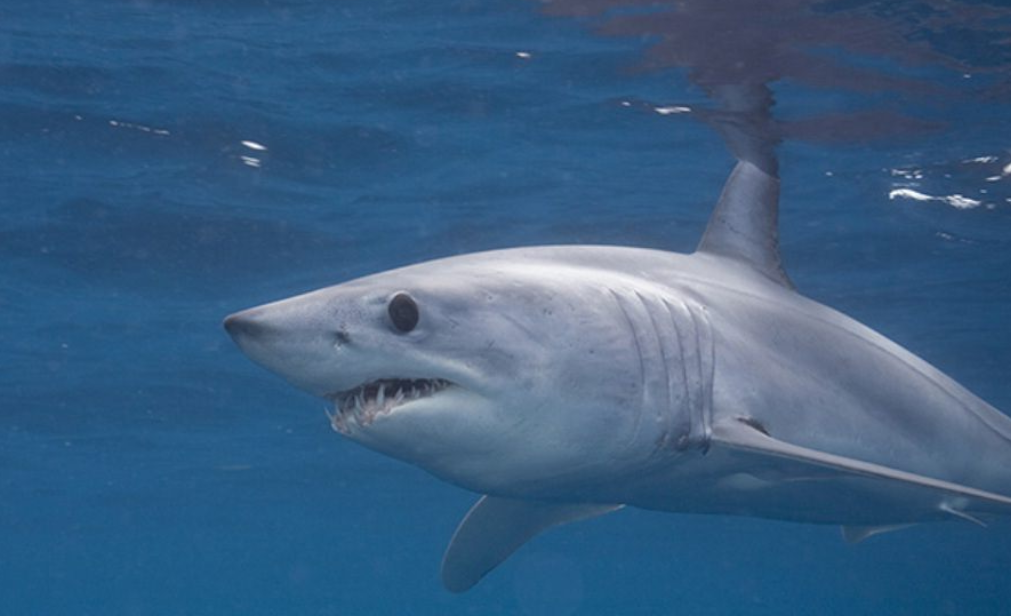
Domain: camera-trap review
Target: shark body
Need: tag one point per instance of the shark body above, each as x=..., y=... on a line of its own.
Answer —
x=564, y=382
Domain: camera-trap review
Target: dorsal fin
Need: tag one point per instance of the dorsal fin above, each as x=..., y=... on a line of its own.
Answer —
x=744, y=223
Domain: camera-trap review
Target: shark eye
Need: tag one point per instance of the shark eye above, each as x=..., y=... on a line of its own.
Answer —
x=403, y=312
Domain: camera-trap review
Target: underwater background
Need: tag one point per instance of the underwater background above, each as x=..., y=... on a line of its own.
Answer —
x=166, y=162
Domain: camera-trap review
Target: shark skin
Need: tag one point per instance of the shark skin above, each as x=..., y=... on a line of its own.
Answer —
x=564, y=382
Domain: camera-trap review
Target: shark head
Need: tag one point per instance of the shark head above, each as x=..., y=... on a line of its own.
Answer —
x=491, y=371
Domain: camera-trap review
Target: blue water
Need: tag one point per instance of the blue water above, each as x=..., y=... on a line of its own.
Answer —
x=164, y=163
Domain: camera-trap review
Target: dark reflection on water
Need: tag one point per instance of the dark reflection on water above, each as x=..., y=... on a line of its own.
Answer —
x=729, y=42
x=918, y=53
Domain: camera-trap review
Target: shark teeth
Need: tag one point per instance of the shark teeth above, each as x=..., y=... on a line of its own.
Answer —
x=366, y=402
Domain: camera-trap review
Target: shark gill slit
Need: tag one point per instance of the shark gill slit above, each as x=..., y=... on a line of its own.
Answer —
x=682, y=339
x=695, y=343
x=665, y=412
x=642, y=369
x=707, y=369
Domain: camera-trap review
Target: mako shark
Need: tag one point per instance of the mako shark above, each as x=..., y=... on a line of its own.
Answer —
x=564, y=382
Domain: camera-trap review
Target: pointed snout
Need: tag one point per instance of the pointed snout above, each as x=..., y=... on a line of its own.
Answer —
x=244, y=324
x=255, y=327
x=288, y=338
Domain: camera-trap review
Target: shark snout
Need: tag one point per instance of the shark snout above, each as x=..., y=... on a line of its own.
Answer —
x=288, y=339
x=262, y=332
x=248, y=324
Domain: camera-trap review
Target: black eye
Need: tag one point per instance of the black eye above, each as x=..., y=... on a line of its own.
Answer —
x=403, y=312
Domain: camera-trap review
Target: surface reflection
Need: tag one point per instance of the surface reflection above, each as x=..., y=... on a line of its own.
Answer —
x=986, y=176
x=913, y=53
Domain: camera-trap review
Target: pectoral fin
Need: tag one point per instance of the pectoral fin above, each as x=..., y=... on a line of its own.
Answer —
x=495, y=527
x=899, y=494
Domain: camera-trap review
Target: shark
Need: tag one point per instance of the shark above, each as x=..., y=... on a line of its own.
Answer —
x=563, y=383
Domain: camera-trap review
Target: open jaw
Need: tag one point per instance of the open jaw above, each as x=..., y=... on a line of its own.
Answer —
x=362, y=404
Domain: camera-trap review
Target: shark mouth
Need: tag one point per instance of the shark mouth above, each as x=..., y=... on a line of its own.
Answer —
x=364, y=403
